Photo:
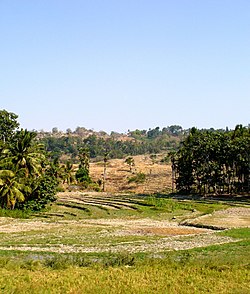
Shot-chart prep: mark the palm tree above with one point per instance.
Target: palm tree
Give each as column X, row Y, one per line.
column 84, row 157
column 68, row 173
column 10, row 189
column 25, row 154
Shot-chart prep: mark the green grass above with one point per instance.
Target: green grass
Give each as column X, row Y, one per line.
column 241, row 233
column 192, row 271
column 157, row 207
column 16, row 213
column 157, row 278
column 147, row 206
column 173, row 205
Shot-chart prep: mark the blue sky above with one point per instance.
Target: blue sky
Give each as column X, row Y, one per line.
column 125, row 64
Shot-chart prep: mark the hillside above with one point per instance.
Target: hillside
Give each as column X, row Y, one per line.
column 66, row 145
column 157, row 175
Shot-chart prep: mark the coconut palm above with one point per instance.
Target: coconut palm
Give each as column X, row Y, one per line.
column 11, row 190
column 26, row 154
column 68, row 173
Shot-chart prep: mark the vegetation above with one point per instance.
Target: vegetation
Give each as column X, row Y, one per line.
column 82, row 174
column 143, row 277
column 25, row 173
column 117, row 145
column 213, row 162
column 138, row 178
column 131, row 162
column 80, row 243
column 214, row 269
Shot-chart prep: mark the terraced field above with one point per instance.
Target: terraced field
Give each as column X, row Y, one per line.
column 101, row 200
column 105, row 222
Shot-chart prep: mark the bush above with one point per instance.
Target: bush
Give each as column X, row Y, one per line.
column 82, row 176
column 138, row 178
column 94, row 186
column 43, row 193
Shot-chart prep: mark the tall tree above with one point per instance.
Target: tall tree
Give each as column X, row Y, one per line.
column 8, row 125
column 68, row 173
column 23, row 167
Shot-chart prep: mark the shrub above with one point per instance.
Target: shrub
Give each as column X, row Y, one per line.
column 44, row 192
column 138, row 178
column 82, row 177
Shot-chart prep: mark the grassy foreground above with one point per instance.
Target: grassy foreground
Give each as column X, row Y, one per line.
column 214, row 269
column 153, row 278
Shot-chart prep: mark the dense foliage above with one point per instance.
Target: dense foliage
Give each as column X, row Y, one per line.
column 25, row 178
column 213, row 162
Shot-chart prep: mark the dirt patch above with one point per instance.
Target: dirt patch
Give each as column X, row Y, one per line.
column 146, row 227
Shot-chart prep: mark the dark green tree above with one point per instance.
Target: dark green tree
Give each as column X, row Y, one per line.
column 210, row 161
column 82, row 174
column 8, row 125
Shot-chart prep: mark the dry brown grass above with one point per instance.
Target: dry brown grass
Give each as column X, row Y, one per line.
column 158, row 175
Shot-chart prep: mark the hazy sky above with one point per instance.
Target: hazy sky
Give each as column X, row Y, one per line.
column 125, row 64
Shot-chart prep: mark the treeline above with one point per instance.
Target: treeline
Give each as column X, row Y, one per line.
column 117, row 145
column 173, row 130
column 98, row 146
column 213, row 162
